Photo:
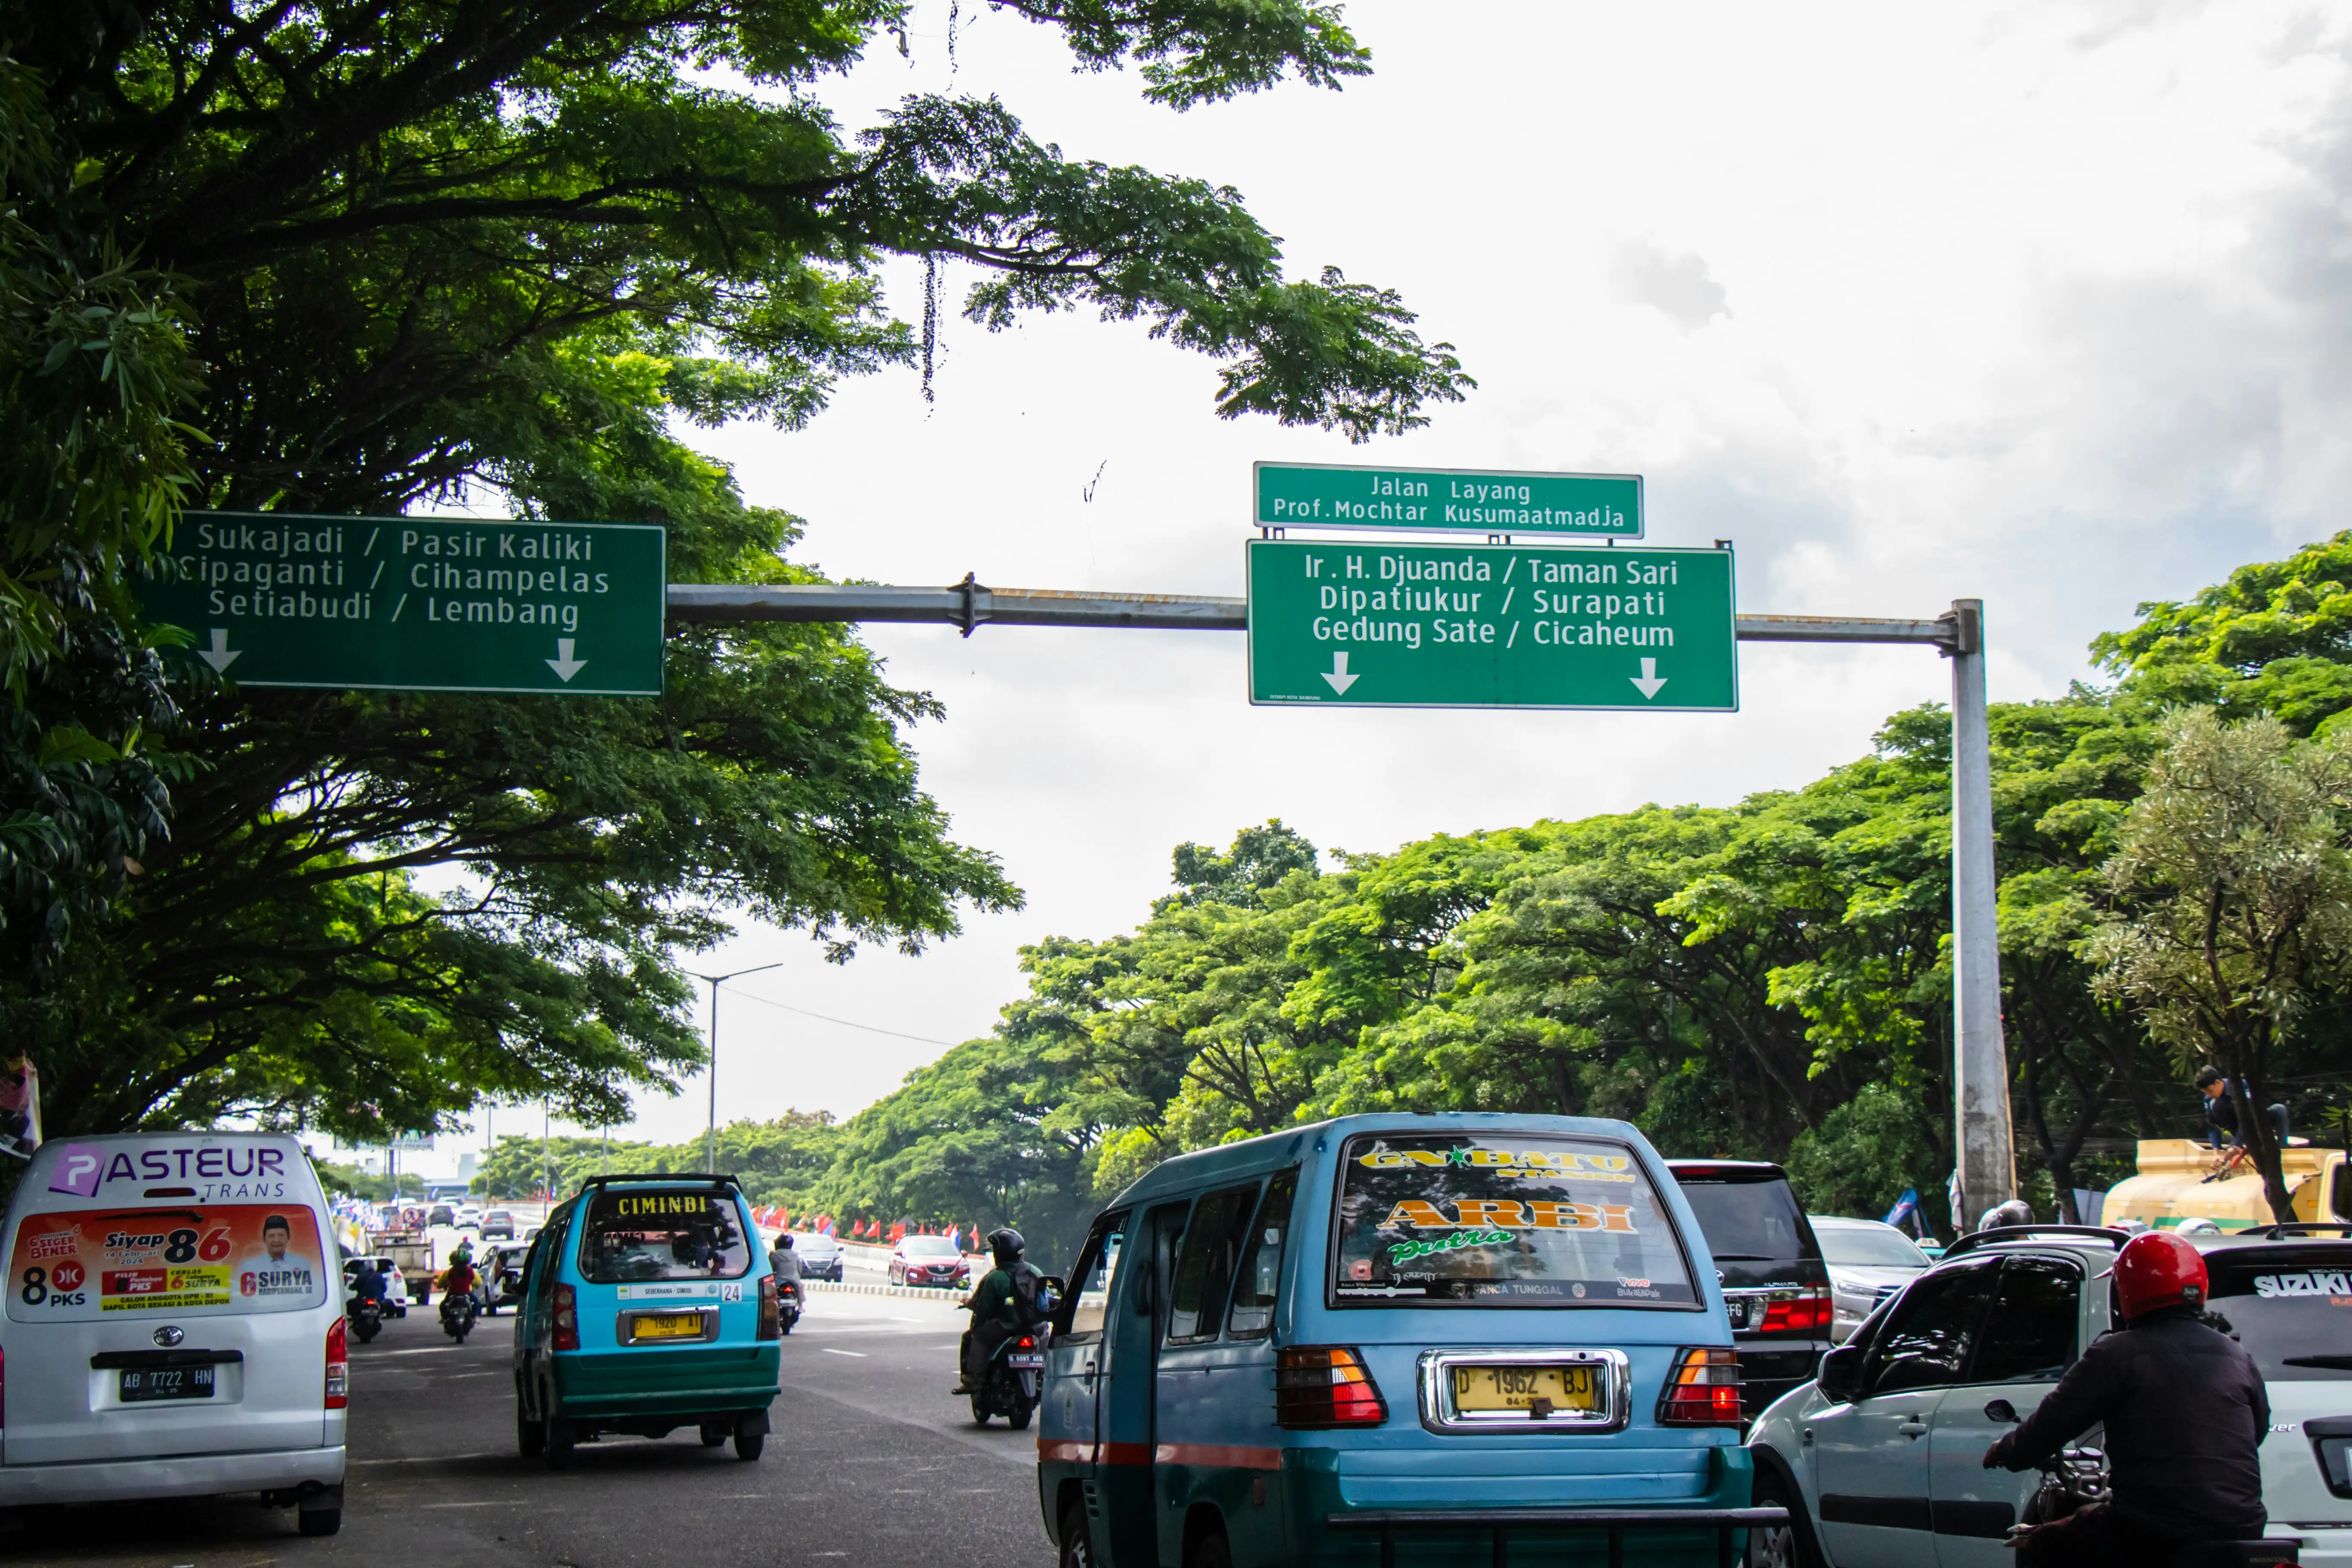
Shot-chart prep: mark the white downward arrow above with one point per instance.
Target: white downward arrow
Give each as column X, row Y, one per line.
column 219, row 656
column 1338, row 677
column 1649, row 680
column 565, row 665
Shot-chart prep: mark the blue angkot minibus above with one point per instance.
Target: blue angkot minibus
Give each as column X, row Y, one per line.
column 1397, row 1338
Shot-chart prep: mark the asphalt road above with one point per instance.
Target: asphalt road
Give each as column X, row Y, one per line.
column 871, row 1462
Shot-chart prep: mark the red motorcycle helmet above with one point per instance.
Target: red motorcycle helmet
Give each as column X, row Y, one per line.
column 2158, row 1269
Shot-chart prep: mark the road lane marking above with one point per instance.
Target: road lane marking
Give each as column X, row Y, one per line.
column 828, row 1350
column 435, row 1459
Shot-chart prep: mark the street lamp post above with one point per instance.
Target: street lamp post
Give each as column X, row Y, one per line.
column 710, row 1140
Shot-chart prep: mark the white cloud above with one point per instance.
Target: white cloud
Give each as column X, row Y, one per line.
column 2045, row 304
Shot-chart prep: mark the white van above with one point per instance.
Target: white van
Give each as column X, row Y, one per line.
column 174, row 1326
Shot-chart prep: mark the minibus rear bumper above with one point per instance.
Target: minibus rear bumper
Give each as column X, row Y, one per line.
column 608, row 1384
column 186, row 1475
column 1507, row 1526
column 1705, row 1526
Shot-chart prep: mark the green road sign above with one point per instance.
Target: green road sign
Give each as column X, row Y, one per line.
column 1451, row 500
column 418, row 604
column 1490, row 626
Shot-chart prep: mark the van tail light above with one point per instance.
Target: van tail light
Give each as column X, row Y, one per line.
column 1703, row 1389
column 1325, row 1385
column 3, row 1388
column 339, row 1367
column 771, row 1316
column 1802, row 1312
column 566, row 1321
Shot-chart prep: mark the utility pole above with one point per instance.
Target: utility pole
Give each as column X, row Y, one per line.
column 1983, row 1146
column 710, row 1140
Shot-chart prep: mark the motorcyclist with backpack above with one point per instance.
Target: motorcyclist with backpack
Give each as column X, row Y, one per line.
column 2184, row 1408
column 457, row 1293
column 1004, row 1302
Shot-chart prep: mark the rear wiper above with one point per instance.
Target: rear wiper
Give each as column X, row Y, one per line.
column 1744, row 1258
column 2324, row 1362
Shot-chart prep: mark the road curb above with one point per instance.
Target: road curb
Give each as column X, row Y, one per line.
column 905, row 1292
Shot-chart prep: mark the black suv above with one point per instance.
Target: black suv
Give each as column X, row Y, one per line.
column 1774, row 1281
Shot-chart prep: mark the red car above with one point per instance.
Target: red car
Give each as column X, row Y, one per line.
column 928, row 1260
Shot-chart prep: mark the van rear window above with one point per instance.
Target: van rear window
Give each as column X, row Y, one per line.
column 633, row 1236
column 1501, row 1220
column 205, row 1260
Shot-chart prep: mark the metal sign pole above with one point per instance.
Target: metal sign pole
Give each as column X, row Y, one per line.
column 1984, row 1152
column 1983, row 1148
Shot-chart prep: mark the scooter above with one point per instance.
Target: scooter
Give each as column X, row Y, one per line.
column 1009, row 1386
column 788, row 1304
column 457, row 1315
column 367, row 1319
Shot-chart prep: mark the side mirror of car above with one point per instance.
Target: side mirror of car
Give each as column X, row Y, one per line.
column 1840, row 1373
column 2000, row 1410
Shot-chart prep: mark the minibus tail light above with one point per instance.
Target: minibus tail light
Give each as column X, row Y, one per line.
column 771, row 1316
column 1797, row 1311
column 1325, row 1385
column 1703, row 1389
column 339, row 1367
column 566, row 1319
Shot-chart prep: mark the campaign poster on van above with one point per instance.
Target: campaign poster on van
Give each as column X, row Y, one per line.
column 86, row 1264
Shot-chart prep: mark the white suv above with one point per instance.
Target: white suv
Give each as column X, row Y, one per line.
column 1885, row 1464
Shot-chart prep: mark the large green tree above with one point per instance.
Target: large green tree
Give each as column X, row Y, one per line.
column 514, row 249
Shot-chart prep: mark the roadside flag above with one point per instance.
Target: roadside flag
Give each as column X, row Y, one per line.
column 1904, row 1206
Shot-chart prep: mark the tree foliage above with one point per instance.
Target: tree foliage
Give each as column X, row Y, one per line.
column 394, row 252
column 2234, row 902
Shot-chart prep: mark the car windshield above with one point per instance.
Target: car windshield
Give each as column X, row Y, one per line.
column 1749, row 1220
column 634, row 1234
column 929, row 1247
column 1867, row 1247
column 1501, row 1220
column 2285, row 1316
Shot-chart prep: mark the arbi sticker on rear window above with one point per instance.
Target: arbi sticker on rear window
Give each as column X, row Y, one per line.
column 1505, row 1220
column 79, row 1265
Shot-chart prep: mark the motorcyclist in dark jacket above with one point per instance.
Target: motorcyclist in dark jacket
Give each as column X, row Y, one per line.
column 995, row 1306
column 2184, row 1411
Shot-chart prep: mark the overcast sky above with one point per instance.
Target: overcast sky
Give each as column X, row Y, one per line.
column 2042, row 303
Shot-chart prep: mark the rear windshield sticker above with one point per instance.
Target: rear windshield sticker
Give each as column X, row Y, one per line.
column 1529, row 1162
column 2302, row 1284
column 1536, row 1214
column 225, row 1258
column 217, row 1170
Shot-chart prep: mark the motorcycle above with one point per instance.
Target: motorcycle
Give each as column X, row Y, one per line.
column 1009, row 1386
column 788, row 1304
column 367, row 1319
column 457, row 1315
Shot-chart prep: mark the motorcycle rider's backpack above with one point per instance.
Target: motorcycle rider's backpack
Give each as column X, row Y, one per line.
column 1027, row 1284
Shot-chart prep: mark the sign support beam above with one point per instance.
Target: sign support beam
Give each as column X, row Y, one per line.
column 1982, row 1146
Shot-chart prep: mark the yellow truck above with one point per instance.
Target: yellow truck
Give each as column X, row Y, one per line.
column 2181, row 1179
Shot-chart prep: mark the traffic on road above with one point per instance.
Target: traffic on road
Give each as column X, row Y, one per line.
column 1380, row 1339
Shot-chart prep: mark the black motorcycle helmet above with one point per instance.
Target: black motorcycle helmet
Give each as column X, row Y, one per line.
column 1005, row 1243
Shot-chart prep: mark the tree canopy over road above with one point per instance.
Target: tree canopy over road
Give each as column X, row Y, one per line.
column 353, row 256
